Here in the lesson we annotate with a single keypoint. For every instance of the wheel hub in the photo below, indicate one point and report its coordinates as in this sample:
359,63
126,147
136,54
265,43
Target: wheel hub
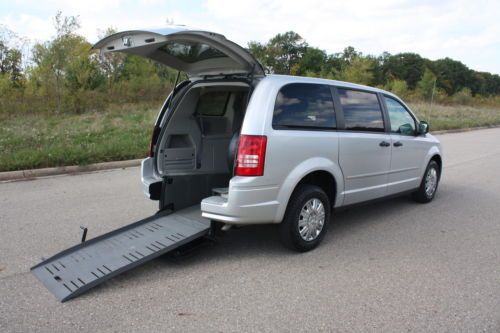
431,180
311,219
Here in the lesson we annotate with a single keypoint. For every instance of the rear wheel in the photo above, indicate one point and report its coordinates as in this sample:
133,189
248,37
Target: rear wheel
306,218
428,186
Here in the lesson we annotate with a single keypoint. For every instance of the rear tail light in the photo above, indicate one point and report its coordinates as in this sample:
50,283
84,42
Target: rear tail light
154,138
251,155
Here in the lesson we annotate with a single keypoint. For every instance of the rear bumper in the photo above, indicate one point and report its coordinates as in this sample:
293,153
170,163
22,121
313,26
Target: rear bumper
151,183
243,205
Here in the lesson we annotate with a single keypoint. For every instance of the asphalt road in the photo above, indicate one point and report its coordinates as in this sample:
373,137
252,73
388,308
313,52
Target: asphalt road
395,266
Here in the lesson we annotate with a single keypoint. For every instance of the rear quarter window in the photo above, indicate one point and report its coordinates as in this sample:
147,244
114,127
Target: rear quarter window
304,105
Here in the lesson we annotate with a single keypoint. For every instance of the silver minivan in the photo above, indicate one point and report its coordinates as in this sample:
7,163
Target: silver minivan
247,147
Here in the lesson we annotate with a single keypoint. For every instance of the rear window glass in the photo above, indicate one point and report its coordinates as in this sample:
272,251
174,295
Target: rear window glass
302,105
212,103
191,52
362,111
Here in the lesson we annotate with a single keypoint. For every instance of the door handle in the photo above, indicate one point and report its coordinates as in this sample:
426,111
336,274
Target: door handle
384,144
398,144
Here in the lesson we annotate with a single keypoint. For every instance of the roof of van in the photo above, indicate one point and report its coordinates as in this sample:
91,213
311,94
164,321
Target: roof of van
284,79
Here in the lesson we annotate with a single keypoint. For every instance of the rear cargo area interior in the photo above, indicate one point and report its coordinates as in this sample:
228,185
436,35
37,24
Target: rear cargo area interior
195,153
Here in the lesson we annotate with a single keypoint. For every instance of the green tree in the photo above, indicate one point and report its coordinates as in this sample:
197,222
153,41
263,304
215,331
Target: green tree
349,55
65,68
336,64
52,58
284,51
259,51
485,84
398,87
10,60
312,60
404,66
360,70
426,85
14,67
333,64
452,75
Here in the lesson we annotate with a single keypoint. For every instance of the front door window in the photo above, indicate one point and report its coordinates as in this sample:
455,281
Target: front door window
401,120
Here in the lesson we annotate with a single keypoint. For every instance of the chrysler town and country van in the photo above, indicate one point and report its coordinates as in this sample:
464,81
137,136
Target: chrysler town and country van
248,147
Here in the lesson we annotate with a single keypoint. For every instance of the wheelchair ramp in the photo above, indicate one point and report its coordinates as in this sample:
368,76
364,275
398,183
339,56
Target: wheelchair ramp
77,269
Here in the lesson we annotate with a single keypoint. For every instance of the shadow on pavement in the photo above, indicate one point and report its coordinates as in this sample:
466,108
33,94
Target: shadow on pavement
262,241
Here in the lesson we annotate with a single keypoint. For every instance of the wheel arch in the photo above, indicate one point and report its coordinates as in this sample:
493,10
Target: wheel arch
322,179
439,161
434,153
316,171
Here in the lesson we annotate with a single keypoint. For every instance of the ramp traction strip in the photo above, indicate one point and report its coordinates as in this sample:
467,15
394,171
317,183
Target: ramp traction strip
77,269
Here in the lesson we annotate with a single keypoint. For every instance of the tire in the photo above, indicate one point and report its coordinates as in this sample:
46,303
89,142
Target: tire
429,185
305,198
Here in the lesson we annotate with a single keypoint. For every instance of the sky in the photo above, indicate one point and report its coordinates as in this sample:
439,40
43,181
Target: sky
468,31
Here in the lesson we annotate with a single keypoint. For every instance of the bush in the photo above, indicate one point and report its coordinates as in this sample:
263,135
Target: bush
463,97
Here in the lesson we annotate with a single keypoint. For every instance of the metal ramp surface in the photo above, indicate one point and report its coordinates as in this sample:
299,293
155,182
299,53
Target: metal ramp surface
77,269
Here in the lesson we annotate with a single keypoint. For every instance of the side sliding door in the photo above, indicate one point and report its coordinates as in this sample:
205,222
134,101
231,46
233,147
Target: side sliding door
364,145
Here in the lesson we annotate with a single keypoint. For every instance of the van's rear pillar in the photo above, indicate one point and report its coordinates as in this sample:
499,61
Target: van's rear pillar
164,202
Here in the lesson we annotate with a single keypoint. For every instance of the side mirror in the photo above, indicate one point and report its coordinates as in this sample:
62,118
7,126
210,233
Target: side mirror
406,129
423,127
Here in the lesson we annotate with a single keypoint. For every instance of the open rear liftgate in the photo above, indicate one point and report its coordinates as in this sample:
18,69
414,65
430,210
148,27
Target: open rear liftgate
79,268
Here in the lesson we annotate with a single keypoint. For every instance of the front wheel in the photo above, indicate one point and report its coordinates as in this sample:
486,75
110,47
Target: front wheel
428,186
306,218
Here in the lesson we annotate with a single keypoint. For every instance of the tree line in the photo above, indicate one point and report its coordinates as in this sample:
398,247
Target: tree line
64,75
406,73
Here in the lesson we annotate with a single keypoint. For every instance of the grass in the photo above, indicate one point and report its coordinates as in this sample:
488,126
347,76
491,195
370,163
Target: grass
444,117
123,132
38,141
